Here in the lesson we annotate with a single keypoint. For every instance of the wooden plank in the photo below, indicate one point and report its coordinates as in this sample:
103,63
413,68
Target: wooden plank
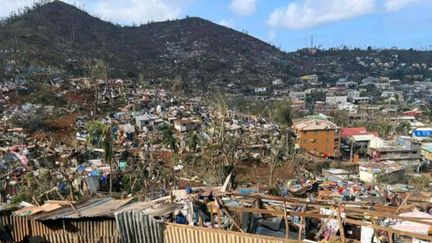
403,203
286,222
341,228
233,221
301,229
387,215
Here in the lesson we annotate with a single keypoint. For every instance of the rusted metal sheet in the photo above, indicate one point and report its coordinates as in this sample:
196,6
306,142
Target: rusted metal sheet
94,207
19,228
137,227
106,227
175,233
84,230
4,220
58,238
39,228
74,238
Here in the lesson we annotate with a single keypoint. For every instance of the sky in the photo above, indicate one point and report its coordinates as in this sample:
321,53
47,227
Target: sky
288,24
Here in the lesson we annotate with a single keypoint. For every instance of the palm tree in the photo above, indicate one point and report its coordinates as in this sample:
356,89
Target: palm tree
192,140
230,148
100,72
222,108
168,137
403,128
100,135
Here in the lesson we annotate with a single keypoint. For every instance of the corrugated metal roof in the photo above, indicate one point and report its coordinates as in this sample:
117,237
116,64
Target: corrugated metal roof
153,210
94,207
363,137
137,227
136,224
47,207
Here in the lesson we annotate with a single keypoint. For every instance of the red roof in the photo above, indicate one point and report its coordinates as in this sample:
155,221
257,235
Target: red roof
412,113
349,131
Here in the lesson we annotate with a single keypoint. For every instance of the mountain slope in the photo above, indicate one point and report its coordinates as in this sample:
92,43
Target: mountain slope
199,51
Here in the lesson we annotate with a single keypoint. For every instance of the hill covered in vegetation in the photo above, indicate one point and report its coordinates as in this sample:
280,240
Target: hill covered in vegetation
60,35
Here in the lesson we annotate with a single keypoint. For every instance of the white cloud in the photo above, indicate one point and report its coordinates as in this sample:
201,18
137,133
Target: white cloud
139,11
226,22
243,7
301,14
396,5
8,6
123,11
271,35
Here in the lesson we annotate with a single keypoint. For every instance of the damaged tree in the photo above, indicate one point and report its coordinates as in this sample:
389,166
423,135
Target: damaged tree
100,134
277,154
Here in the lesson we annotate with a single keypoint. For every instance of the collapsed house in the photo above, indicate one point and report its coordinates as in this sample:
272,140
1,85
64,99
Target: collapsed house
212,215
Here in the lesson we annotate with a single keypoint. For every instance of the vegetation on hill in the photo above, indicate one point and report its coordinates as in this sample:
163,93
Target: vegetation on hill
60,35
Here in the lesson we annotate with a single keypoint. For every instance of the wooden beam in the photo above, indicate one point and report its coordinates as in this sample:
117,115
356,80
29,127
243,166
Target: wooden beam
323,225
387,215
301,229
219,215
286,222
341,227
403,202
232,219
74,209
302,202
225,209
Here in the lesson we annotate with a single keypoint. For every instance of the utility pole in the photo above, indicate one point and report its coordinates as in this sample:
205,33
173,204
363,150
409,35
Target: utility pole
312,42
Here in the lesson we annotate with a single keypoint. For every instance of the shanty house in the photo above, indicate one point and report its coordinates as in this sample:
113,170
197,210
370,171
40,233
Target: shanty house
185,125
91,220
145,121
387,171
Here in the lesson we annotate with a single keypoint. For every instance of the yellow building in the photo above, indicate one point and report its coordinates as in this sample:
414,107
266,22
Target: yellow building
319,137
309,78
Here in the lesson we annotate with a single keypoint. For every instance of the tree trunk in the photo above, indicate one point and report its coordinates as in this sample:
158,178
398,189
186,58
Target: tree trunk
96,101
271,175
111,177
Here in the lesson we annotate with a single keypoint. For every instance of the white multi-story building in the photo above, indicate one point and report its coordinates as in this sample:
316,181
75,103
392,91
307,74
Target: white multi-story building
295,96
351,108
353,94
388,94
336,100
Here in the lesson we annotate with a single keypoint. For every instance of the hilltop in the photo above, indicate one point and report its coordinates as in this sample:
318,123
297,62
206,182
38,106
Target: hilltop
61,35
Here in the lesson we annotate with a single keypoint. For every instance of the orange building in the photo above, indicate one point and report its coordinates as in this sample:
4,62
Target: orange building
319,137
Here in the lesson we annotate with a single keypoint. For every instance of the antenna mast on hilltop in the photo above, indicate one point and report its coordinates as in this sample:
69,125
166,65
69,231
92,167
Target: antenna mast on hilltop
312,42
